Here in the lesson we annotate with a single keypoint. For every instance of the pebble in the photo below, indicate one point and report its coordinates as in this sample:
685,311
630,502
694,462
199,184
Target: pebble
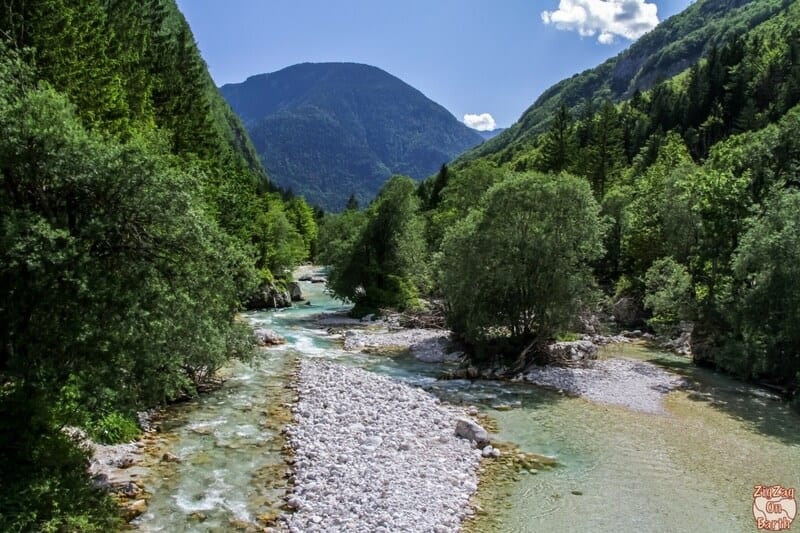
637,385
348,413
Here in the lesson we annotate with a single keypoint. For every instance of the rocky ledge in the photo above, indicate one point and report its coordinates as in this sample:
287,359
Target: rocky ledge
375,455
637,385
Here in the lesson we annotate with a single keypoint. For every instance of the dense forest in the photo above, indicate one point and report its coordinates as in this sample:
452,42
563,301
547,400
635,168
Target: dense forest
135,219
681,199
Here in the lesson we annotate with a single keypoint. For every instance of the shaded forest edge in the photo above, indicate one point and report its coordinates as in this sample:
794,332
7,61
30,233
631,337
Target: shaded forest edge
135,222
681,201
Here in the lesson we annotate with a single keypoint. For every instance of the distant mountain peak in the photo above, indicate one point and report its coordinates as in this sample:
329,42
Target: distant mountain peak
328,130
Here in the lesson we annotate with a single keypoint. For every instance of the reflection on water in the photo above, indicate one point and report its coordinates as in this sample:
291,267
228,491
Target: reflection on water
690,470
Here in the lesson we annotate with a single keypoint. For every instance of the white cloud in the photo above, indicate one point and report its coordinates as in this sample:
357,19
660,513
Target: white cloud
607,19
482,122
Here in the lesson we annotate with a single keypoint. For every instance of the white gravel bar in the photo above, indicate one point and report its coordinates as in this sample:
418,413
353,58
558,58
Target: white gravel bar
637,385
375,455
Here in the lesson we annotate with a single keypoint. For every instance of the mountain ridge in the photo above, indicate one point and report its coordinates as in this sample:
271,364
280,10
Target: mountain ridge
329,130
670,48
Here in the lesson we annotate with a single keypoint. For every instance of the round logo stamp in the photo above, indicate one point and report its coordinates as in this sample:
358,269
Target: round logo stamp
774,507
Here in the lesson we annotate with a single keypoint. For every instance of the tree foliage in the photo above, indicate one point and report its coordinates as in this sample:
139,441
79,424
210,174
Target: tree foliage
518,265
134,216
378,257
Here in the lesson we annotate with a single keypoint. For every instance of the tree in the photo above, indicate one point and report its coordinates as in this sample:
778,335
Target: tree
115,282
668,295
559,142
518,266
384,266
660,221
352,203
766,302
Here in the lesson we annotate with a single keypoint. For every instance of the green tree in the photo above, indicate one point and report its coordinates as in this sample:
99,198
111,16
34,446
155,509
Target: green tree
383,266
766,302
668,295
559,142
114,279
518,266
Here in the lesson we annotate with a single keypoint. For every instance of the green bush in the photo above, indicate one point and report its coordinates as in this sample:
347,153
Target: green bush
113,428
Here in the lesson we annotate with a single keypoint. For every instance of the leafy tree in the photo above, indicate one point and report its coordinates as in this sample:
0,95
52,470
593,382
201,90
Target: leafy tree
659,221
668,295
518,265
385,265
301,215
117,285
766,303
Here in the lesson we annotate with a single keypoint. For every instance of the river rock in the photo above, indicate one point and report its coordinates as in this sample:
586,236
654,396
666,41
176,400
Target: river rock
318,279
471,430
268,296
572,352
627,312
682,344
434,350
268,337
170,458
295,292
638,385
134,509
374,454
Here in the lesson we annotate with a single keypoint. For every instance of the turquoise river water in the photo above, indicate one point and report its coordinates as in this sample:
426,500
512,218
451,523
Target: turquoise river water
691,469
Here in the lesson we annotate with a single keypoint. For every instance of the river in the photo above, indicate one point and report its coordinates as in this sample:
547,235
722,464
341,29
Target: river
692,469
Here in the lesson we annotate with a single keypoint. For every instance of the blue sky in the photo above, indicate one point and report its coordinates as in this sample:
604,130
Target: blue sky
471,56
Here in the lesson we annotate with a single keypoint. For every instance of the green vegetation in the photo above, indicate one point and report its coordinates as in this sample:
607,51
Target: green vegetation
378,256
329,130
134,221
662,53
696,181
518,265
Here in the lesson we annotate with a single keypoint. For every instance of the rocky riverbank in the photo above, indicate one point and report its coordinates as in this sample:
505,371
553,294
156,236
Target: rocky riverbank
375,455
637,385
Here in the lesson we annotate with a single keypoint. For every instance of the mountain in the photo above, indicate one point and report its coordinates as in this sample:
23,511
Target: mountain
670,48
329,130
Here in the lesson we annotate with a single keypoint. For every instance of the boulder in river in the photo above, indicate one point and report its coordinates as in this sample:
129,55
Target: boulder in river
268,337
269,296
318,279
295,292
471,430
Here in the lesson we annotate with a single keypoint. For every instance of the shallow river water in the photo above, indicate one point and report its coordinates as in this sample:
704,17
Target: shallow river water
692,469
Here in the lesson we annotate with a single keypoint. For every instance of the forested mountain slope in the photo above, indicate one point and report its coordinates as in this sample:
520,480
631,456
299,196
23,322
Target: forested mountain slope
135,218
677,207
673,46
330,130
